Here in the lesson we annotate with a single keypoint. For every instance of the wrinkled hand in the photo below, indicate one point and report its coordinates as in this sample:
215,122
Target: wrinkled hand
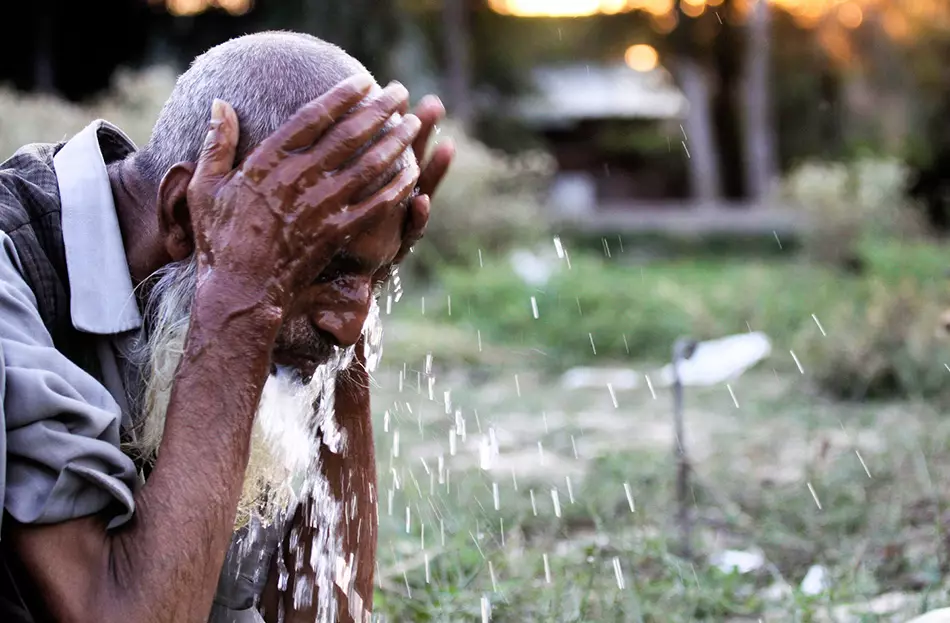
429,111
274,223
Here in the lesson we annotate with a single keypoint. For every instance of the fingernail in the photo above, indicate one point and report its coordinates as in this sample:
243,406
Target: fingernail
363,81
217,111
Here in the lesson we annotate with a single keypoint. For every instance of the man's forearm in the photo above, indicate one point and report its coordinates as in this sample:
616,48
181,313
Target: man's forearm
166,564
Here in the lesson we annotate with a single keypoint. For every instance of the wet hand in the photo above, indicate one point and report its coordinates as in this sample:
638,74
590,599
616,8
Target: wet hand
276,221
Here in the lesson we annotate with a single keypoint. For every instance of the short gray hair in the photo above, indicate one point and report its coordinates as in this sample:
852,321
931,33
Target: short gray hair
266,77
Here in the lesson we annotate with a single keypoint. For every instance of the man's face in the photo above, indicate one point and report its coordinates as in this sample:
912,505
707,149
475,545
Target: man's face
333,310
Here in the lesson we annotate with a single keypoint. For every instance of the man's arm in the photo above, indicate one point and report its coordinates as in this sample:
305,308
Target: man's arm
164,564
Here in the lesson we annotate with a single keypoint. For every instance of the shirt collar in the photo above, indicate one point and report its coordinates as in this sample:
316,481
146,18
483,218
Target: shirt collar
102,300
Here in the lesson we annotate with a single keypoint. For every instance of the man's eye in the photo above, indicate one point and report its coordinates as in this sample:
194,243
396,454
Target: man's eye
328,276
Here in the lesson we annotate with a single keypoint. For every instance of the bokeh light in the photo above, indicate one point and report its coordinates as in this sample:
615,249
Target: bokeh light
641,57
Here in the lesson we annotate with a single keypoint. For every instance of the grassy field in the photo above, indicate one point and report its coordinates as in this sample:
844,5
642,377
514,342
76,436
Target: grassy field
555,505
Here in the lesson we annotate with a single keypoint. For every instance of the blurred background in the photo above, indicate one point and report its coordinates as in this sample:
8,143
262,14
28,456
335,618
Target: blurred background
630,172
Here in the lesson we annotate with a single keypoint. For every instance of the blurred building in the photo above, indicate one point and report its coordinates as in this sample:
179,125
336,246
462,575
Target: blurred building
602,124
623,156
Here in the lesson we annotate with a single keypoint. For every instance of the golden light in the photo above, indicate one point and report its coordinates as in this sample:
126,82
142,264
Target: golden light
186,7
553,8
895,24
655,7
181,8
693,8
850,15
641,57
612,7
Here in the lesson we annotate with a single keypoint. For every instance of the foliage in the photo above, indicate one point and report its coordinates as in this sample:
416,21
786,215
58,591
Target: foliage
874,335
890,343
636,312
133,105
849,204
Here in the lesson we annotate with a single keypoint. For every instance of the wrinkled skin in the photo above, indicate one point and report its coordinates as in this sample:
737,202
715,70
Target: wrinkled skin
258,268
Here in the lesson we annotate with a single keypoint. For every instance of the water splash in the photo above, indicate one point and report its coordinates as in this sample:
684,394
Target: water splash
299,449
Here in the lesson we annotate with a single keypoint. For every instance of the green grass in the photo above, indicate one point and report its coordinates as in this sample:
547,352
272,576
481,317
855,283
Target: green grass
876,534
879,470
871,334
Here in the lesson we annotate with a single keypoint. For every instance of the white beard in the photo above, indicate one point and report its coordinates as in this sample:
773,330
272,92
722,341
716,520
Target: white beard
284,447
283,466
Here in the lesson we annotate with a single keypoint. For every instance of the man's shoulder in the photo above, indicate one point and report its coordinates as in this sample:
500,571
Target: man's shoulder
28,186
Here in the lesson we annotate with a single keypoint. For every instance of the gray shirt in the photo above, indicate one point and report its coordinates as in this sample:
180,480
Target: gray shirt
63,427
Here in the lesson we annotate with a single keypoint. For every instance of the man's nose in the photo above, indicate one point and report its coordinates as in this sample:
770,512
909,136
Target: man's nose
343,313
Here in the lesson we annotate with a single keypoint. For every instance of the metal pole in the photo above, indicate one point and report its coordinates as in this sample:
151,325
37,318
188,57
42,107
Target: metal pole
683,349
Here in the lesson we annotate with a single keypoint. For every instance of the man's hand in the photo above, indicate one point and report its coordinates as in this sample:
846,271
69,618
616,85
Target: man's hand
272,225
429,111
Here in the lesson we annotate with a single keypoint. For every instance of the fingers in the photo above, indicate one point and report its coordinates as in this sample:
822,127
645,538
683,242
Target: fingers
396,191
310,122
430,112
365,215
347,137
418,218
220,147
379,158
436,169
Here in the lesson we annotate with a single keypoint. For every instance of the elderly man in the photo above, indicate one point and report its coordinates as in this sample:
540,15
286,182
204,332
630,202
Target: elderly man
178,445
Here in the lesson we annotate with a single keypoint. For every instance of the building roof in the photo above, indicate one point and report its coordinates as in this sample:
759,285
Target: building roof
571,93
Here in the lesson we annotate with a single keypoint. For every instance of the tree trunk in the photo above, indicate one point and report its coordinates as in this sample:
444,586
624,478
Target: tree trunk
759,133
700,144
456,33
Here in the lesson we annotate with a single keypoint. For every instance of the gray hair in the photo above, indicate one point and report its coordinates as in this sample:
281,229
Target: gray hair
266,77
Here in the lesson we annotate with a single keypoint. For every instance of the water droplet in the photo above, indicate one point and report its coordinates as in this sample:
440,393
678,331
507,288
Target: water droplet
618,573
797,362
733,394
629,493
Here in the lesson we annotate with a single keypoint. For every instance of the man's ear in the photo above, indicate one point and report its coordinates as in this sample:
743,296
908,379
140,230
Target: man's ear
174,217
